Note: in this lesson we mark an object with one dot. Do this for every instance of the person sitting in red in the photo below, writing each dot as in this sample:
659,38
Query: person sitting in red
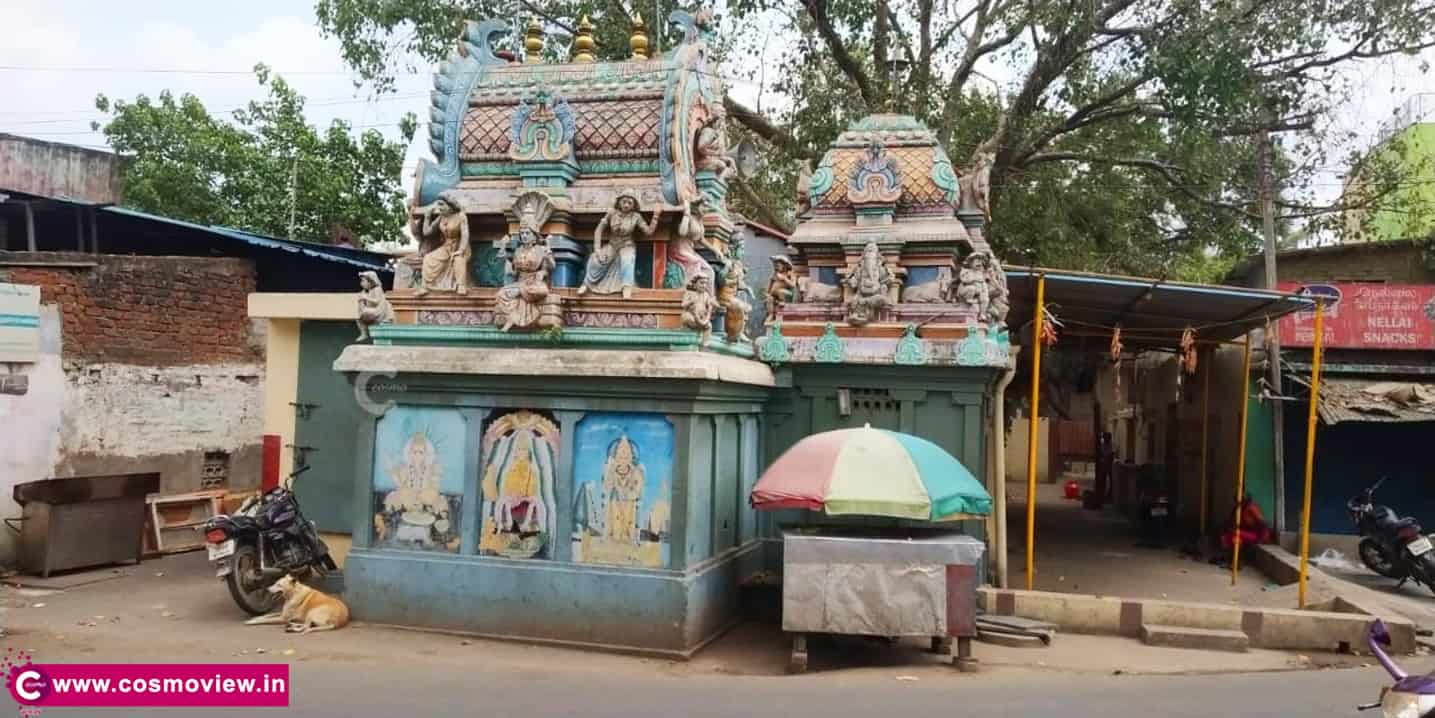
1253,526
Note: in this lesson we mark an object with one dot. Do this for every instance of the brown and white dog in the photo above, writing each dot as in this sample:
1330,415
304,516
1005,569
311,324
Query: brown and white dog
305,609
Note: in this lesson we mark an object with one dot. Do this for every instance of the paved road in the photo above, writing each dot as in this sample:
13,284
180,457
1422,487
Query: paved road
334,690
175,612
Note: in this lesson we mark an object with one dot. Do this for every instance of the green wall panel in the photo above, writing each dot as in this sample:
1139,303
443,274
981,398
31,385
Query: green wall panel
330,429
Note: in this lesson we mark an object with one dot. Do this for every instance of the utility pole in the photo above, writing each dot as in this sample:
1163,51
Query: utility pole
1273,343
293,193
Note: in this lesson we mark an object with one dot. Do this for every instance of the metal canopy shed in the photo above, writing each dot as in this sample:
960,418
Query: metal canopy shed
1151,314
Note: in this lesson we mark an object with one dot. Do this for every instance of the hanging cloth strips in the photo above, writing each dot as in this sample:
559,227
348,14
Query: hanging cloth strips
1049,326
1188,350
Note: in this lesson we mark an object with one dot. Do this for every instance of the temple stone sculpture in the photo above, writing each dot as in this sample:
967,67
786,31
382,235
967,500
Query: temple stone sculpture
730,297
781,287
933,292
684,262
998,297
869,286
527,300
699,305
972,290
374,308
612,267
976,185
445,263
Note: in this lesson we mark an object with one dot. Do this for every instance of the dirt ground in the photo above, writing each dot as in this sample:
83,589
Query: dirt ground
172,609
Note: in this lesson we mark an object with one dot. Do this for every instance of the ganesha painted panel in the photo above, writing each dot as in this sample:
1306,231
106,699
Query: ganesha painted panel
418,479
623,468
520,459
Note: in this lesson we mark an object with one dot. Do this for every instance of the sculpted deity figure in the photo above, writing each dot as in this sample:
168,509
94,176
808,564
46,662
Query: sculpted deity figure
868,285
804,188
374,307
781,287
735,308
682,251
699,305
521,302
973,289
975,186
998,295
612,266
711,151
446,265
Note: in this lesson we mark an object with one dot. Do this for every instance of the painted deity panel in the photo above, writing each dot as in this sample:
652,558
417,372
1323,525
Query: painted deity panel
418,479
520,459
623,469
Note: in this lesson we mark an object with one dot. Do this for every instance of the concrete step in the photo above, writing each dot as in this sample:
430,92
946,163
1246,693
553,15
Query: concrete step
1206,639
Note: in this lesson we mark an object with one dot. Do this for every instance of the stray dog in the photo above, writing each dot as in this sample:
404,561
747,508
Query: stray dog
305,609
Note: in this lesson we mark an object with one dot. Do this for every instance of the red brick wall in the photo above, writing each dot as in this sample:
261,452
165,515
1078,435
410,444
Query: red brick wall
143,310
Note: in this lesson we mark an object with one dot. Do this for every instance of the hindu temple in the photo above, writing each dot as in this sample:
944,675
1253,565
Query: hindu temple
580,415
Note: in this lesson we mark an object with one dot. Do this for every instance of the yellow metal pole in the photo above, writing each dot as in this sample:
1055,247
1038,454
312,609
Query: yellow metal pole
1205,439
1034,426
1245,384
1310,444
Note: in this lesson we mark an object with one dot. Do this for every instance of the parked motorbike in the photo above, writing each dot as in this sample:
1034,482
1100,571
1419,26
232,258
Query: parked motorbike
266,539
1411,696
1391,546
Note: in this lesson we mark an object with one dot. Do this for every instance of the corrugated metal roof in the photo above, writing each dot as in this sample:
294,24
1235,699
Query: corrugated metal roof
373,261
1152,313
1343,400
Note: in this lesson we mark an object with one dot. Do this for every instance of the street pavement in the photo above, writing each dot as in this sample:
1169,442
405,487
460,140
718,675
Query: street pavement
406,688
174,611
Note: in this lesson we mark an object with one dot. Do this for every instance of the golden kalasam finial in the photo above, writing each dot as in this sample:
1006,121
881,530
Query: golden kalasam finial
583,43
533,41
639,40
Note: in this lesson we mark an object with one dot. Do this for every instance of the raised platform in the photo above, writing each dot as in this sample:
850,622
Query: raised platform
654,612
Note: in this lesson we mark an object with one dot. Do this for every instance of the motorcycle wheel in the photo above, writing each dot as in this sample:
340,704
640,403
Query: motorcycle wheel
246,587
1375,558
1424,570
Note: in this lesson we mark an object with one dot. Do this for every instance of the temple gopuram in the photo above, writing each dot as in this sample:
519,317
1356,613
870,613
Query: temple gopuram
572,415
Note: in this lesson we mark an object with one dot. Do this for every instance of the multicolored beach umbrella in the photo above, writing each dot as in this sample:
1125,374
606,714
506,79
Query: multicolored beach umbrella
871,472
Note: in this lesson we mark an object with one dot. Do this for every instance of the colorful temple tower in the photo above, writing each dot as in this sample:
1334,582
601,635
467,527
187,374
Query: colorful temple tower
571,417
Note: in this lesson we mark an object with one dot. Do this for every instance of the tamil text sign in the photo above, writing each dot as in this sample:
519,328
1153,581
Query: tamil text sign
1365,316
19,323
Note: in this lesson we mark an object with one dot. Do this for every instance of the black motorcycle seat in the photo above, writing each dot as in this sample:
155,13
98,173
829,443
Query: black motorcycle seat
1387,520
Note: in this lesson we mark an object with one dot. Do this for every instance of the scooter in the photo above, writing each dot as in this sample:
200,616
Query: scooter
1392,546
266,539
1411,696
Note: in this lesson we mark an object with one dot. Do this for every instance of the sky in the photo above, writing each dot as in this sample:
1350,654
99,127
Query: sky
58,54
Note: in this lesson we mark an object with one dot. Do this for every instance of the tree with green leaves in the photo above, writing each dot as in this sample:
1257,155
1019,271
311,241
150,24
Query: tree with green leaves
268,171
1126,135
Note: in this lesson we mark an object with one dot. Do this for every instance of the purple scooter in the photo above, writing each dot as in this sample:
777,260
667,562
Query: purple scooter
1411,696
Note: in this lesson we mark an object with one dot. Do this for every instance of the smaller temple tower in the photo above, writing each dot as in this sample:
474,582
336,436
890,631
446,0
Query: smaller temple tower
889,264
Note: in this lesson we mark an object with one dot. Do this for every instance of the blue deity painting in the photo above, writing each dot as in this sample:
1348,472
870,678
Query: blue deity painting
623,468
520,459
418,479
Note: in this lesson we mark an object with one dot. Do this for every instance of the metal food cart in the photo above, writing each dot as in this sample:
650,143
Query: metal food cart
884,583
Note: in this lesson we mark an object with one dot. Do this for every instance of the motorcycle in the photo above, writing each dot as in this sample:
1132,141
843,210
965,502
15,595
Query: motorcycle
1391,546
1411,696
266,539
